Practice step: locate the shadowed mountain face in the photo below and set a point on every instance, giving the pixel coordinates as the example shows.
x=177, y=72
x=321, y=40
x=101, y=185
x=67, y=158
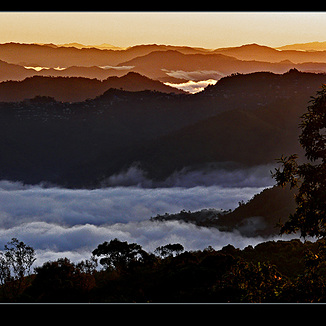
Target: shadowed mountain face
x=247, y=119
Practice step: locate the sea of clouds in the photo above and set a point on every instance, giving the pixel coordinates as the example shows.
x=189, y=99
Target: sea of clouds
x=60, y=222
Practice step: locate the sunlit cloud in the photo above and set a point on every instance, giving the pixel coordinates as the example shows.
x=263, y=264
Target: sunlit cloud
x=36, y=68
x=196, y=75
x=193, y=86
x=117, y=67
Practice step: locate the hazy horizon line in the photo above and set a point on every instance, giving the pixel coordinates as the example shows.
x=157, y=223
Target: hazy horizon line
x=106, y=45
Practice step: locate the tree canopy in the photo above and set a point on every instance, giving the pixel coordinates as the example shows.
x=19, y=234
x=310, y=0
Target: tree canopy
x=310, y=176
x=118, y=254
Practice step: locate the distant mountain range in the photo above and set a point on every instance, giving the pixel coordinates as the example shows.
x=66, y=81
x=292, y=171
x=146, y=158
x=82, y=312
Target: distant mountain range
x=161, y=62
x=311, y=46
x=268, y=54
x=52, y=56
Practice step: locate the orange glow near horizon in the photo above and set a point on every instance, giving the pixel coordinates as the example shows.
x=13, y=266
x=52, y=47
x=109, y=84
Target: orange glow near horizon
x=202, y=29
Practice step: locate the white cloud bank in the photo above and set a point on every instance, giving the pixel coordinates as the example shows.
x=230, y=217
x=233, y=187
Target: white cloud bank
x=60, y=222
x=191, y=86
x=109, y=205
x=196, y=75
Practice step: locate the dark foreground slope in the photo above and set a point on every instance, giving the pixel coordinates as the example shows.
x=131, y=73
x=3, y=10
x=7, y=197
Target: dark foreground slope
x=248, y=119
x=282, y=271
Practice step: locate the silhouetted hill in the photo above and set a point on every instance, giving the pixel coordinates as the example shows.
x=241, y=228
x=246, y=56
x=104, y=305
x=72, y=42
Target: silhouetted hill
x=257, y=122
x=152, y=60
x=251, y=52
x=13, y=72
x=310, y=46
x=158, y=65
x=258, y=217
x=76, y=89
x=261, y=214
x=48, y=55
x=103, y=46
x=86, y=72
x=45, y=140
x=10, y=71
x=267, y=54
x=136, y=82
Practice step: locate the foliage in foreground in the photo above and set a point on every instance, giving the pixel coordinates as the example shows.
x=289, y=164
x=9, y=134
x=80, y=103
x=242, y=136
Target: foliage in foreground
x=282, y=271
x=308, y=177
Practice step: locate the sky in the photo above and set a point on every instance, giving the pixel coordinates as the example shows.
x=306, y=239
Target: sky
x=202, y=29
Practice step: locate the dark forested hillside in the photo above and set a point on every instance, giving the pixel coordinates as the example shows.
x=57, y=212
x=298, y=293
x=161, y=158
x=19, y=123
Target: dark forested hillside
x=248, y=119
x=260, y=216
x=257, y=122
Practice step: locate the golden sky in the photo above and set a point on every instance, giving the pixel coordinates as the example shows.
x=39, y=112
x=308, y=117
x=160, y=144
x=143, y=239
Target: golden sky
x=203, y=29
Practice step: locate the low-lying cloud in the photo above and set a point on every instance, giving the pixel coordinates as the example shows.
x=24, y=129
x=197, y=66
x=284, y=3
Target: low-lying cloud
x=210, y=175
x=53, y=241
x=61, y=222
x=191, y=86
x=69, y=207
x=117, y=67
x=197, y=75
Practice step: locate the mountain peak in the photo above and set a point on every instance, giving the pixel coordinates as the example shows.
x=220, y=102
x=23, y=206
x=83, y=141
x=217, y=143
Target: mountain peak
x=256, y=46
x=252, y=45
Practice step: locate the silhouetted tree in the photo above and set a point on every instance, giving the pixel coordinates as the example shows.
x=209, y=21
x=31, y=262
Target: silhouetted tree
x=169, y=250
x=309, y=178
x=56, y=281
x=20, y=257
x=15, y=263
x=117, y=254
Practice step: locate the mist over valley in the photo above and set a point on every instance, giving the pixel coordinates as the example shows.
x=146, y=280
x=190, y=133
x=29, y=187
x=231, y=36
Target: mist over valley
x=151, y=144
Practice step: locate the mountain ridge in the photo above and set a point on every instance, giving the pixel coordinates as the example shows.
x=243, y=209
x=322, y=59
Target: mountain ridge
x=76, y=89
x=159, y=62
x=273, y=55
x=309, y=46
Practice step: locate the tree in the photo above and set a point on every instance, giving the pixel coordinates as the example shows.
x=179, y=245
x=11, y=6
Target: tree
x=308, y=177
x=169, y=249
x=251, y=282
x=117, y=254
x=19, y=257
x=59, y=281
x=15, y=263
